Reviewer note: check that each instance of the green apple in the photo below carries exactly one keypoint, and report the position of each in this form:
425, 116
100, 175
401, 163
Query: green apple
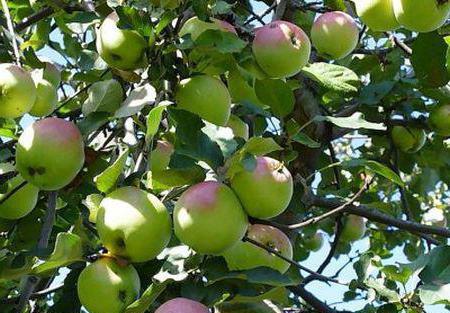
123, 49
378, 15
205, 96
238, 126
22, 201
354, 228
161, 155
46, 98
335, 34
434, 217
266, 191
281, 49
314, 242
209, 218
50, 153
440, 120
245, 255
105, 286
240, 89
17, 91
182, 305
408, 139
421, 16
52, 74
133, 224
195, 27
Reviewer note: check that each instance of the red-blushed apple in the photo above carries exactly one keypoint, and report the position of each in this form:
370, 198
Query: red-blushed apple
408, 139
106, 286
161, 155
123, 49
17, 91
281, 49
314, 242
182, 305
133, 224
22, 201
354, 228
205, 96
421, 16
266, 191
378, 15
241, 90
209, 218
335, 34
245, 255
50, 153
46, 97
195, 27
238, 126
440, 120
434, 217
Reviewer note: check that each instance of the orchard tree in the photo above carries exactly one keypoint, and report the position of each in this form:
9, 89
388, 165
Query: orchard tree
195, 156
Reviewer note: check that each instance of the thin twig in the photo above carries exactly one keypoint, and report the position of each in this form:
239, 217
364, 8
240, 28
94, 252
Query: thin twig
11, 31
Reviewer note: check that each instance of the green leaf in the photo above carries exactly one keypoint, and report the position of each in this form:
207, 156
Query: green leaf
333, 77
245, 307
435, 293
276, 94
356, 121
103, 96
107, 180
375, 167
304, 139
92, 202
154, 119
173, 177
220, 41
148, 297
382, 290
138, 99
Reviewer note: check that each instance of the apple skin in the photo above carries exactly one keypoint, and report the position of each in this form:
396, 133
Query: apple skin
123, 49
354, 228
22, 201
161, 155
245, 255
46, 99
315, 242
105, 286
195, 27
421, 16
335, 34
17, 91
281, 49
240, 90
62, 145
133, 224
182, 305
238, 126
440, 120
434, 217
266, 191
378, 15
408, 139
205, 96
209, 218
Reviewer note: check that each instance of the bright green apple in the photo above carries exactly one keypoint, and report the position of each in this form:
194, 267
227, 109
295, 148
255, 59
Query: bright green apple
440, 120
209, 218
133, 224
335, 34
240, 89
205, 96
123, 49
106, 286
238, 126
408, 139
281, 49
354, 228
46, 98
17, 91
435, 217
421, 16
266, 191
314, 242
245, 255
195, 27
62, 145
378, 15
161, 155
182, 305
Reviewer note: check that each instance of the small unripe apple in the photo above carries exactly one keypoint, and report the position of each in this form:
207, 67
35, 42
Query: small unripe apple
335, 34
266, 191
408, 139
17, 91
354, 228
161, 155
195, 27
209, 218
378, 15
434, 217
46, 98
133, 224
22, 201
205, 96
440, 120
281, 49
62, 145
241, 90
245, 255
314, 242
421, 16
182, 305
106, 286
238, 126
123, 49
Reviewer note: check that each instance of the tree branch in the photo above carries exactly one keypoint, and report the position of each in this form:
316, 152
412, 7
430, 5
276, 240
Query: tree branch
312, 300
11, 31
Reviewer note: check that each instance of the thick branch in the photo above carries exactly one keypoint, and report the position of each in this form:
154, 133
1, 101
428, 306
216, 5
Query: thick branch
312, 300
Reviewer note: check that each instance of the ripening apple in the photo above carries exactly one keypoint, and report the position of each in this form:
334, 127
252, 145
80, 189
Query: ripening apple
205, 96
378, 15
46, 98
440, 120
281, 49
107, 286
182, 305
22, 201
314, 242
161, 155
209, 218
421, 16
434, 217
123, 49
240, 89
245, 255
17, 91
335, 34
238, 126
266, 191
195, 27
354, 228
408, 139
133, 224
50, 153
